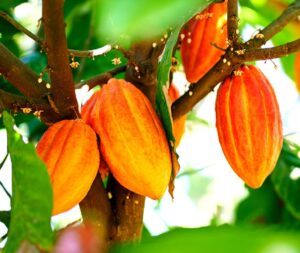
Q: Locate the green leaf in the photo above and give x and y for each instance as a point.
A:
(134, 19)
(218, 240)
(163, 73)
(31, 202)
(163, 83)
(5, 218)
(262, 206)
(286, 185)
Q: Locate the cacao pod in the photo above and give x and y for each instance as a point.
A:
(133, 141)
(249, 125)
(90, 115)
(297, 71)
(90, 110)
(197, 52)
(178, 124)
(70, 150)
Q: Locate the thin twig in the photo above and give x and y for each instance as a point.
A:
(224, 68)
(21, 28)
(271, 53)
(4, 189)
(102, 78)
(20, 75)
(189, 172)
(72, 52)
(288, 15)
(3, 161)
(3, 237)
(90, 53)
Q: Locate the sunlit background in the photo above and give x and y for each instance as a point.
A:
(207, 191)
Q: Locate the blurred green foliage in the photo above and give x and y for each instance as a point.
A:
(119, 21)
(93, 23)
(31, 190)
(218, 240)
(259, 14)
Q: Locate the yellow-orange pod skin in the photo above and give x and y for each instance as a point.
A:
(69, 149)
(249, 125)
(132, 139)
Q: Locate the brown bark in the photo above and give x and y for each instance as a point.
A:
(22, 77)
(128, 207)
(128, 210)
(237, 54)
(96, 208)
(55, 46)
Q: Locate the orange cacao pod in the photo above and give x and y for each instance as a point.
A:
(90, 110)
(197, 52)
(69, 149)
(297, 71)
(249, 125)
(90, 115)
(178, 124)
(133, 141)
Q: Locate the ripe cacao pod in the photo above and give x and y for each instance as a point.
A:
(178, 124)
(197, 52)
(70, 150)
(133, 141)
(249, 125)
(90, 110)
(297, 71)
(90, 115)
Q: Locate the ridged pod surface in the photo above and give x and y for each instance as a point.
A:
(249, 125)
(133, 141)
(178, 124)
(70, 150)
(90, 110)
(90, 115)
(197, 52)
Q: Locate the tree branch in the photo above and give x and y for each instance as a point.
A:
(55, 46)
(90, 53)
(232, 22)
(96, 208)
(271, 53)
(20, 76)
(234, 57)
(72, 52)
(21, 28)
(206, 84)
(288, 15)
(38, 107)
(102, 78)
(128, 210)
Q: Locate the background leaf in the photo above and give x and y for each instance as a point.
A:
(255, 14)
(5, 218)
(218, 240)
(261, 207)
(163, 73)
(117, 20)
(163, 83)
(285, 183)
(31, 202)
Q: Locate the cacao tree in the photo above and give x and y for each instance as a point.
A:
(94, 115)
